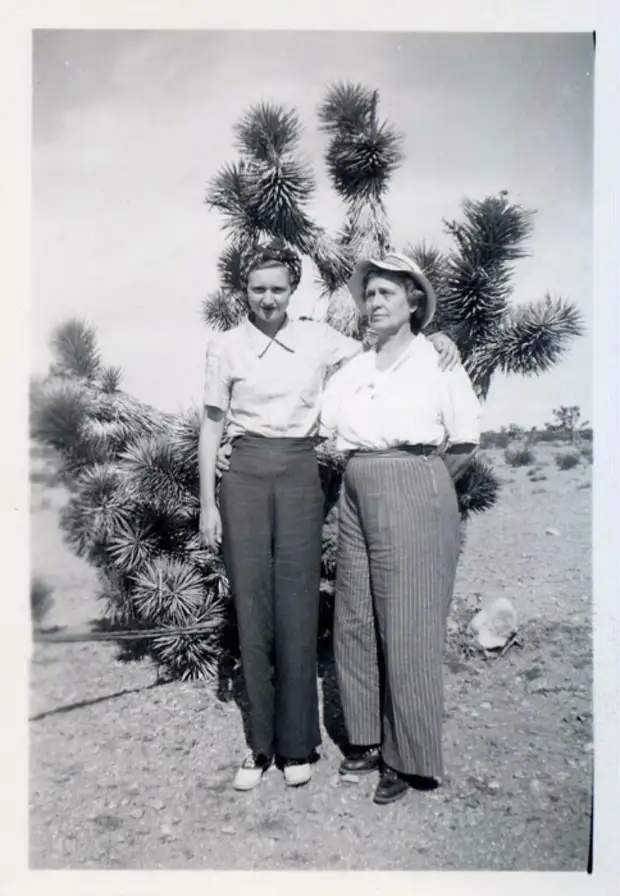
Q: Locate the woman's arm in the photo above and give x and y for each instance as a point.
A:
(211, 430)
(216, 401)
(460, 413)
(458, 457)
(209, 440)
(341, 349)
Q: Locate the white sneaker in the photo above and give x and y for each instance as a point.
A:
(250, 772)
(297, 773)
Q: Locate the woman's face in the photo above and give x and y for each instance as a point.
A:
(387, 304)
(269, 292)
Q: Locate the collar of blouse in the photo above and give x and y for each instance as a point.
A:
(260, 342)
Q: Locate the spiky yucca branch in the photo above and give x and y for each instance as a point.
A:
(266, 193)
(363, 152)
(267, 132)
(434, 264)
(267, 190)
(361, 157)
(478, 271)
(110, 379)
(474, 285)
(74, 345)
(534, 337)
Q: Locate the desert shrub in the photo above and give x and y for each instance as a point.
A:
(41, 599)
(45, 477)
(502, 440)
(587, 452)
(539, 477)
(535, 471)
(567, 460)
(41, 451)
(488, 440)
(553, 436)
(523, 456)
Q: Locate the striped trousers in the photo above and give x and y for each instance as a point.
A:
(271, 503)
(398, 553)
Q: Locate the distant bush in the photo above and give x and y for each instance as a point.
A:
(587, 452)
(562, 436)
(539, 477)
(520, 457)
(535, 471)
(41, 451)
(554, 436)
(567, 460)
(41, 599)
(45, 477)
(487, 440)
(492, 439)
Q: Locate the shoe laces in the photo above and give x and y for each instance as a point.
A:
(363, 753)
(251, 761)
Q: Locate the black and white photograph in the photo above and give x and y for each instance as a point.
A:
(311, 451)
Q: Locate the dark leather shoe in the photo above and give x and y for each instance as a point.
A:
(391, 787)
(361, 761)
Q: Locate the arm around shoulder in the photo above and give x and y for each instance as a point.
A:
(339, 348)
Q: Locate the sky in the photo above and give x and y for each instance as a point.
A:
(130, 127)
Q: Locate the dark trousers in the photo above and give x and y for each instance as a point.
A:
(397, 559)
(271, 503)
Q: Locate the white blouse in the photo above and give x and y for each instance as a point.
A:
(413, 402)
(272, 387)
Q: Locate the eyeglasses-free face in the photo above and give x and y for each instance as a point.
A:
(269, 293)
(387, 302)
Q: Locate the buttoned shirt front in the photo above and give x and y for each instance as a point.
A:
(413, 402)
(272, 386)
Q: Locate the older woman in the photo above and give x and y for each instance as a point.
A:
(392, 410)
(267, 376)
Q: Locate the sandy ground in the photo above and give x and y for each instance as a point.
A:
(126, 773)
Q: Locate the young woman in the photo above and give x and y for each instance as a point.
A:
(266, 378)
(392, 410)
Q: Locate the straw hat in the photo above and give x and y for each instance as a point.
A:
(395, 263)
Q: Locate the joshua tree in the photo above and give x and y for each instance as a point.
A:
(132, 471)
(568, 420)
(268, 189)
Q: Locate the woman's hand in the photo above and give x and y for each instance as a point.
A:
(211, 527)
(458, 457)
(222, 460)
(449, 355)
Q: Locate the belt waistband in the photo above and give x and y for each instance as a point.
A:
(246, 439)
(401, 451)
